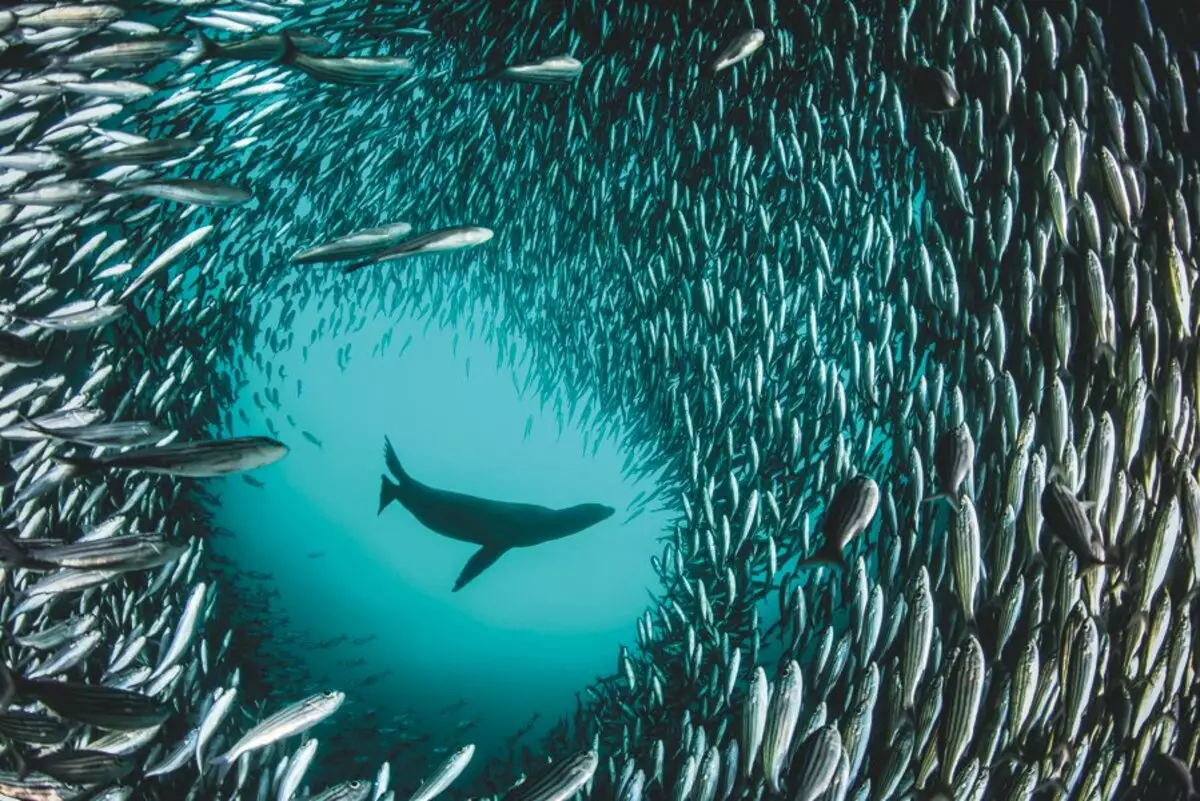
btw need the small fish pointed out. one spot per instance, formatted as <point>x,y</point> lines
<point>558,781</point>
<point>358,245</point>
<point>83,767</point>
<point>31,728</point>
<point>154,151</point>
<point>552,70</point>
<point>190,191</point>
<point>442,240</point>
<point>295,719</point>
<point>740,48</point>
<point>850,512</point>
<point>933,89</point>
<point>444,776</point>
<point>202,459</point>
<point>1064,515</point>
<point>103,707</point>
<point>349,71</point>
<point>297,767</point>
<point>953,459</point>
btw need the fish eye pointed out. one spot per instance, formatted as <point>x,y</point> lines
<point>328,695</point>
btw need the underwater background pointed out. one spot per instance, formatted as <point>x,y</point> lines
<point>872,323</point>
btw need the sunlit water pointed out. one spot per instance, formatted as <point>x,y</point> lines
<point>527,634</point>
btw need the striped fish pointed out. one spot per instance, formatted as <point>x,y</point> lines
<point>953,460</point>
<point>812,773</point>
<point>558,781</point>
<point>1068,521</point>
<point>850,512</point>
<point>782,716</point>
<point>962,707</point>
<point>292,720</point>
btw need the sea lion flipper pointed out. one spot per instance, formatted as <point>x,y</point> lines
<point>484,558</point>
<point>393,462</point>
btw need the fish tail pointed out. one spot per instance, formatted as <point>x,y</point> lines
<point>287,49</point>
<point>12,555</point>
<point>826,557</point>
<point>204,49</point>
<point>8,685</point>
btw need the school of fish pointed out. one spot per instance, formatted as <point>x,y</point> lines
<point>895,300</point>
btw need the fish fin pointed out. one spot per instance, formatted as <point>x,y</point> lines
<point>353,268</point>
<point>8,685</point>
<point>484,558</point>
<point>81,464</point>
<point>11,555</point>
<point>942,496</point>
<point>287,49</point>
<point>393,462</point>
<point>826,557</point>
<point>1051,784</point>
<point>205,49</point>
<point>34,425</point>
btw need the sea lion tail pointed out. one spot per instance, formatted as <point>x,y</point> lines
<point>390,490</point>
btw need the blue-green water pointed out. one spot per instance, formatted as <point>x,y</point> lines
<point>520,640</point>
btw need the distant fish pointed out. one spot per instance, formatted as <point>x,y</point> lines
<point>457,705</point>
<point>358,245</point>
<point>315,554</point>
<point>552,70</point>
<point>252,481</point>
<point>312,439</point>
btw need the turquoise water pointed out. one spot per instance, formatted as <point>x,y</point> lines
<point>524,637</point>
